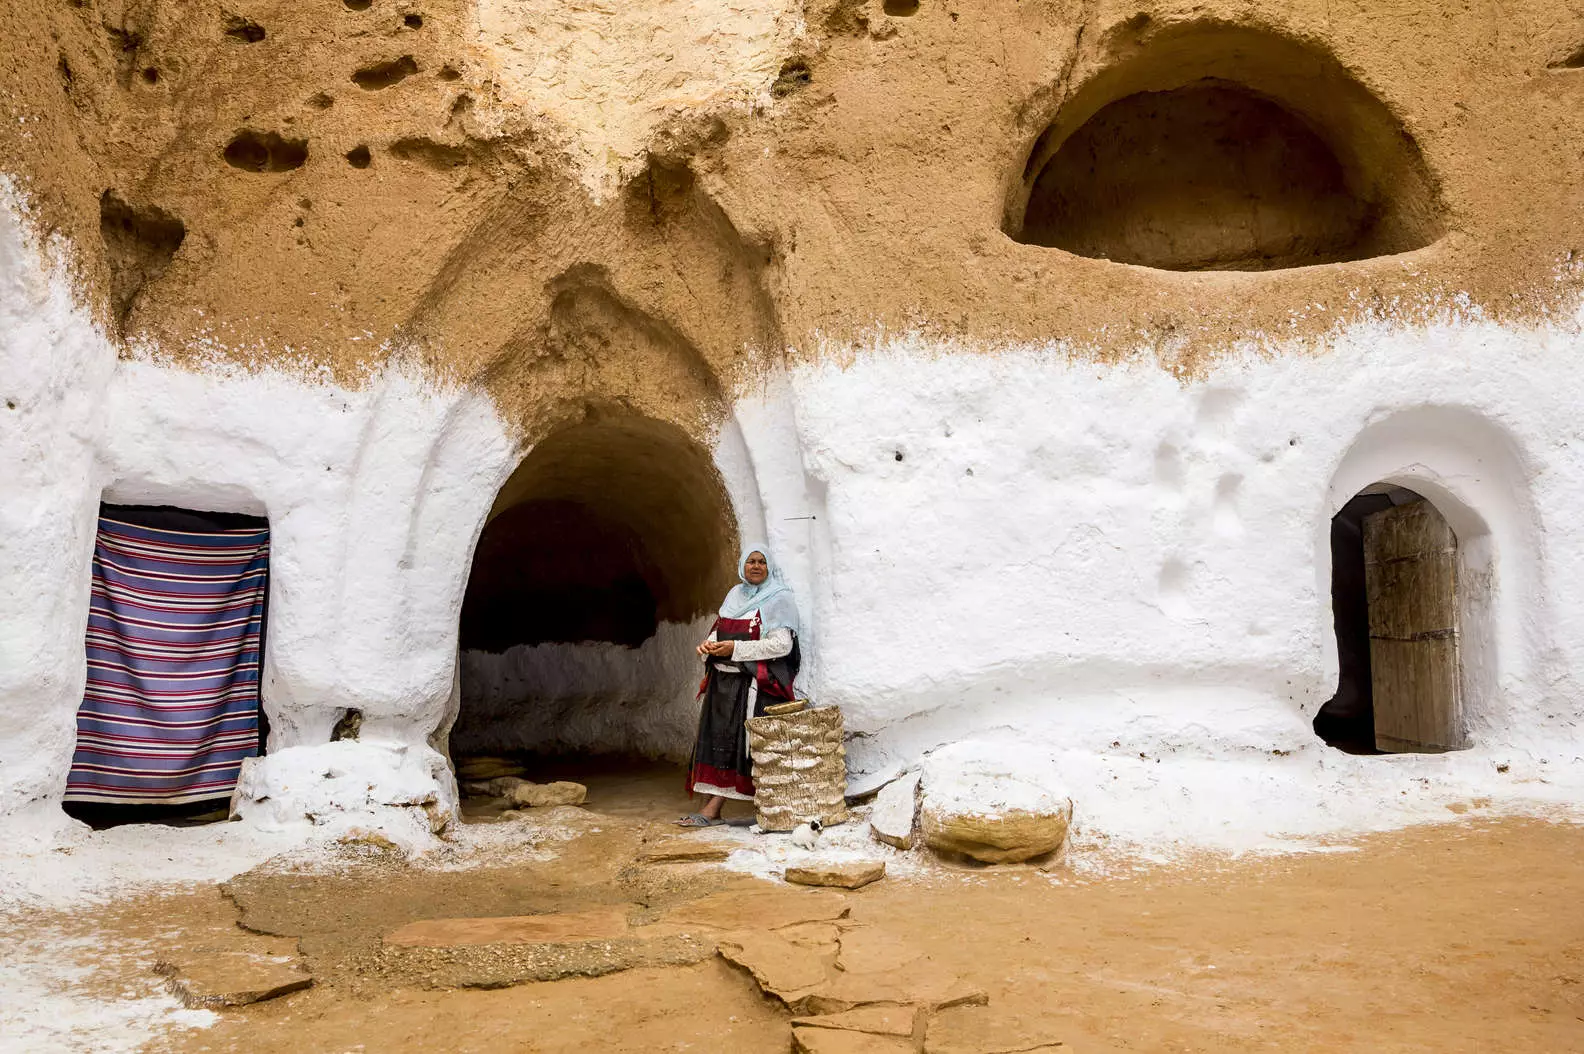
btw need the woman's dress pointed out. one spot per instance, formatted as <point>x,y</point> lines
<point>759,674</point>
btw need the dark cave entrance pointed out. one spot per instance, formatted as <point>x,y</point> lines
<point>607,544</point>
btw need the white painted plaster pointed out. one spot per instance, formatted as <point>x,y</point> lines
<point>592,697</point>
<point>1129,570</point>
<point>54,369</point>
<point>375,497</point>
<point>1115,562</point>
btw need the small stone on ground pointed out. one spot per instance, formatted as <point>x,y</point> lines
<point>847,874</point>
<point>894,817</point>
<point>543,795</point>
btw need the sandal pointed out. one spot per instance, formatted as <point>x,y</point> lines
<point>698,819</point>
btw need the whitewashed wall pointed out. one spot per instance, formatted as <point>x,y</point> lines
<point>1098,556</point>
<point>1103,553</point>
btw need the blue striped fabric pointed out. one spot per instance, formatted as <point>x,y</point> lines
<point>171,706</point>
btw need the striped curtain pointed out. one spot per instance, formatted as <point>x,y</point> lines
<point>174,646</point>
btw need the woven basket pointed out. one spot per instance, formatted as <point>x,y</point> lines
<point>799,768</point>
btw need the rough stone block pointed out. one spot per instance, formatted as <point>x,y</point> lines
<point>894,818</point>
<point>844,874</point>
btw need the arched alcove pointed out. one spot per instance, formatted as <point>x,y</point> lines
<point>1217,147</point>
<point>1397,591</point>
<point>602,561</point>
<point>1471,472</point>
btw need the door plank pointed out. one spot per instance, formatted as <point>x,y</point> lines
<point>1410,576</point>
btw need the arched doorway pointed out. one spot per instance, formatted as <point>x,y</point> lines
<point>1396,601</point>
<point>599,567</point>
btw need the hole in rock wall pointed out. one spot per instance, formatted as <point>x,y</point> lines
<point>265,152</point>
<point>794,75</point>
<point>1395,600</point>
<point>174,650</point>
<point>359,157</point>
<point>425,151</point>
<point>243,30</point>
<point>385,74</point>
<point>901,8</point>
<point>139,241</point>
<point>1573,61</point>
<point>1224,148</point>
<point>606,554</point>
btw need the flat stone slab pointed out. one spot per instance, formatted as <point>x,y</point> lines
<point>834,1041</point>
<point>921,983</point>
<point>210,981</point>
<point>760,909</point>
<point>847,874</point>
<point>869,950</point>
<point>821,937</point>
<point>782,969</point>
<point>984,1030</point>
<point>601,924</point>
<point>683,851</point>
<point>878,1020</point>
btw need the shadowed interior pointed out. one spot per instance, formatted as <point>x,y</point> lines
<point>1222,148</point>
<point>606,529</point>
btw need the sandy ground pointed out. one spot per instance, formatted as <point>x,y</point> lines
<point>1459,937</point>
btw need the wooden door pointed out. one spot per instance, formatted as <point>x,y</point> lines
<point>1410,576</point>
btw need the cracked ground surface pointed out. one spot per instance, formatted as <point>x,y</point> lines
<point>1458,937</point>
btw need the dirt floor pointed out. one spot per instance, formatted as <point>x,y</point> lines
<point>1461,937</point>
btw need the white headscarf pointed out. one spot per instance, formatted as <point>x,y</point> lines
<point>772,598</point>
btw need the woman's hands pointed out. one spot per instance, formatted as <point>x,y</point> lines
<point>721,649</point>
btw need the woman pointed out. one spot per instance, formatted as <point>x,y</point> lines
<point>750,659</point>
